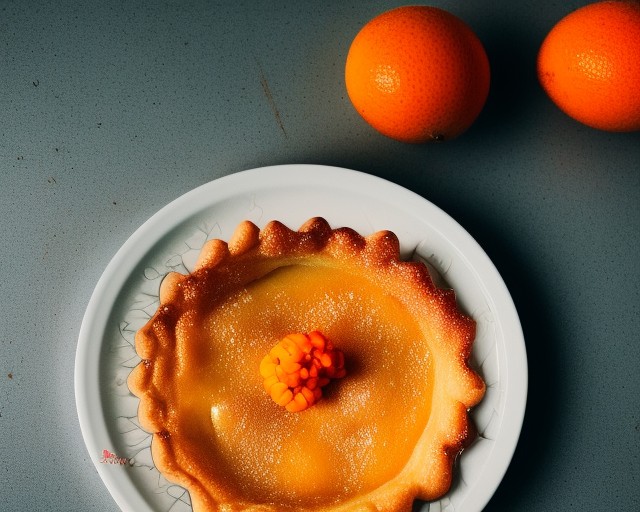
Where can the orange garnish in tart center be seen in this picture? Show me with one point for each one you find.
(298, 367)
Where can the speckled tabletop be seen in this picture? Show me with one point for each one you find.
(111, 110)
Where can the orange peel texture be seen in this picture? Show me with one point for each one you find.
(388, 427)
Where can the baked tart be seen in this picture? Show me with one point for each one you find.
(306, 370)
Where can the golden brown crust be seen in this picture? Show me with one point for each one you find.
(224, 268)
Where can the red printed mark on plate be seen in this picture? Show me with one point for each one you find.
(111, 458)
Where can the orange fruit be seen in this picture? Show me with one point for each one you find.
(417, 74)
(589, 65)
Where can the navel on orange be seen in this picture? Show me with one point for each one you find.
(417, 74)
(589, 65)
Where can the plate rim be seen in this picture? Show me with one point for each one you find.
(93, 426)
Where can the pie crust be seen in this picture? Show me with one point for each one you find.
(386, 433)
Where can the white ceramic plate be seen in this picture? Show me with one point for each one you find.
(127, 295)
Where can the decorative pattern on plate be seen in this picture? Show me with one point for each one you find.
(143, 300)
(134, 443)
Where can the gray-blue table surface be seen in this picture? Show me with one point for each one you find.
(110, 110)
